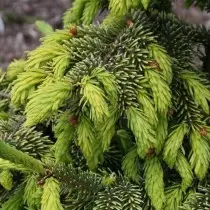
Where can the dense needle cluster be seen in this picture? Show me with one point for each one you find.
(113, 116)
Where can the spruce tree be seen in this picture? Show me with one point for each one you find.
(108, 116)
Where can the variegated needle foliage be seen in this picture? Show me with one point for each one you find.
(124, 108)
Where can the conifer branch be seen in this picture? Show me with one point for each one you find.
(200, 155)
(15, 156)
(6, 179)
(142, 131)
(184, 169)
(25, 85)
(64, 132)
(15, 202)
(57, 92)
(160, 90)
(32, 193)
(174, 143)
(130, 165)
(88, 142)
(51, 197)
(154, 184)
(15, 68)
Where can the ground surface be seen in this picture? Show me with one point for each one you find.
(20, 33)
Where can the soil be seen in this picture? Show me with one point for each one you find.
(20, 34)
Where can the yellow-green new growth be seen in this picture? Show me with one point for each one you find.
(129, 165)
(51, 196)
(58, 36)
(15, 68)
(147, 105)
(88, 142)
(95, 98)
(145, 3)
(46, 100)
(90, 11)
(154, 181)
(64, 132)
(108, 82)
(142, 130)
(184, 169)
(162, 58)
(53, 52)
(174, 197)
(73, 15)
(161, 131)
(122, 7)
(106, 130)
(8, 165)
(85, 11)
(197, 90)
(160, 90)
(200, 155)
(44, 27)
(6, 179)
(32, 193)
(25, 85)
(174, 143)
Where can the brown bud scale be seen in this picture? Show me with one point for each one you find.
(154, 64)
(73, 31)
(73, 120)
(151, 152)
(129, 23)
(203, 131)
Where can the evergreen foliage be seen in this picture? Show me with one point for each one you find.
(113, 116)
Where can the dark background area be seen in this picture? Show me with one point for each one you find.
(20, 33)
